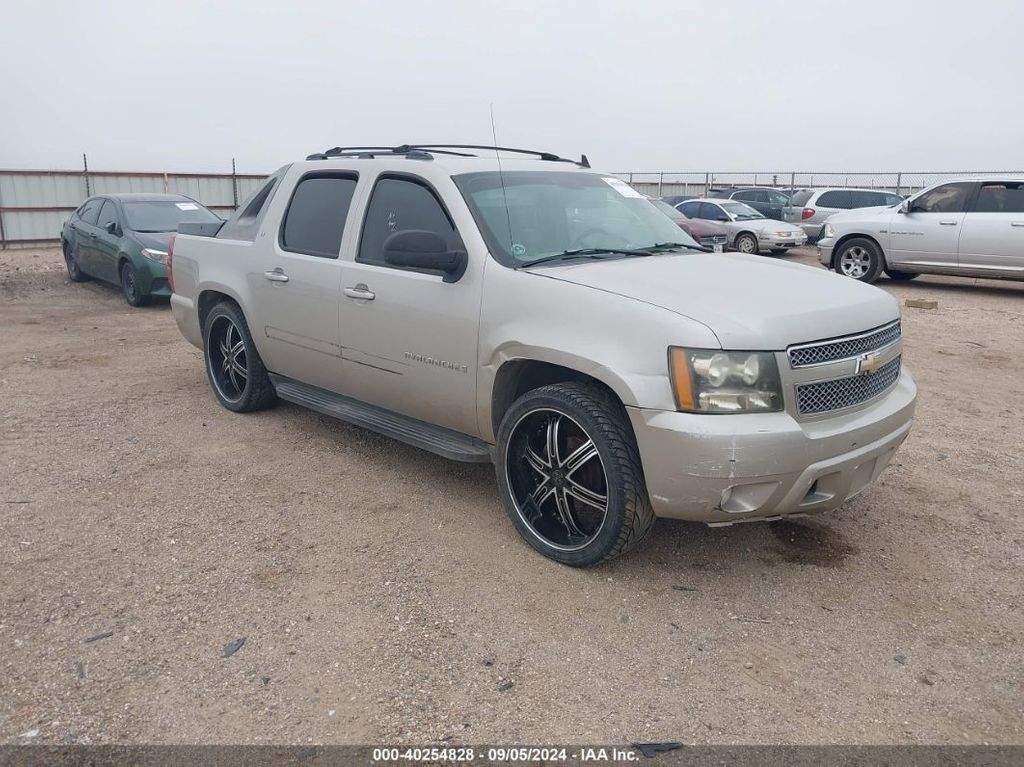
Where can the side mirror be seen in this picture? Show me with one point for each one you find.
(422, 249)
(111, 227)
(904, 207)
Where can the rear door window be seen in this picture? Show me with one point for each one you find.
(315, 219)
(836, 198)
(91, 210)
(1002, 197)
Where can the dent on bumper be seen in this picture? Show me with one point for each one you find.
(723, 469)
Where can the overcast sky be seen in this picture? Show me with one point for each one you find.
(636, 84)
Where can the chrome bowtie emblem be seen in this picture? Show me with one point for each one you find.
(869, 363)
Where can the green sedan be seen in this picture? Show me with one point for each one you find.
(122, 239)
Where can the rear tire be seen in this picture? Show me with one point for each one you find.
(71, 261)
(892, 274)
(130, 286)
(860, 259)
(569, 474)
(747, 243)
(236, 372)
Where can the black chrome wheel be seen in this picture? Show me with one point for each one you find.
(229, 365)
(557, 479)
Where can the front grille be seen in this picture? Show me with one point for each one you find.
(717, 239)
(823, 396)
(843, 348)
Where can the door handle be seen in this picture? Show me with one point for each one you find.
(276, 275)
(947, 223)
(1017, 223)
(360, 291)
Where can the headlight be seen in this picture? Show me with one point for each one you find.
(828, 230)
(713, 381)
(160, 256)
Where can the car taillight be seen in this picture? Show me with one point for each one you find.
(806, 213)
(170, 264)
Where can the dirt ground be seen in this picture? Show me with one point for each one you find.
(384, 596)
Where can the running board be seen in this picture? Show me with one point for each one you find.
(436, 439)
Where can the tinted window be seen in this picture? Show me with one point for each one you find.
(711, 212)
(165, 215)
(108, 213)
(397, 205)
(315, 219)
(90, 211)
(838, 198)
(800, 198)
(690, 209)
(747, 194)
(777, 198)
(245, 222)
(1000, 198)
(948, 198)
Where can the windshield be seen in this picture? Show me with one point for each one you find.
(539, 214)
(165, 215)
(738, 211)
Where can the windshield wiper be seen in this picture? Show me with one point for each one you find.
(596, 253)
(675, 246)
(155, 231)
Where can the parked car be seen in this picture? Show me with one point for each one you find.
(122, 239)
(675, 199)
(968, 227)
(704, 233)
(544, 316)
(810, 208)
(749, 231)
(765, 200)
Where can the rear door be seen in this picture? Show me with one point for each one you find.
(296, 277)
(84, 228)
(928, 234)
(992, 239)
(106, 245)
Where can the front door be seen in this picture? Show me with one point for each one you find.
(107, 244)
(929, 233)
(410, 339)
(993, 230)
(296, 279)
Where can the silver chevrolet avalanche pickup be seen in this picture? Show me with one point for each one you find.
(536, 314)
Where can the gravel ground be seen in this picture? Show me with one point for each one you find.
(384, 596)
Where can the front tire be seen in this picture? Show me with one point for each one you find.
(747, 243)
(780, 251)
(570, 476)
(130, 286)
(860, 259)
(236, 372)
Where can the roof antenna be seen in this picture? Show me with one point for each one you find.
(501, 177)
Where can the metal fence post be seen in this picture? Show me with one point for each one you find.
(661, 183)
(85, 172)
(707, 183)
(792, 183)
(899, 182)
(234, 183)
(3, 232)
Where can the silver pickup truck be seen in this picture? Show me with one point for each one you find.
(531, 312)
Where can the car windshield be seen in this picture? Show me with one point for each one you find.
(526, 216)
(740, 212)
(165, 215)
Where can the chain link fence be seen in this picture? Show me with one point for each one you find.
(697, 184)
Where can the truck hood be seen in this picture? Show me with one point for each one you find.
(749, 302)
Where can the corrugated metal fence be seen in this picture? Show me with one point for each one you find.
(34, 204)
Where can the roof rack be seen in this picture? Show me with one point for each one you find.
(426, 152)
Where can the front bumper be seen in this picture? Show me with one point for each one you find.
(825, 247)
(774, 242)
(723, 469)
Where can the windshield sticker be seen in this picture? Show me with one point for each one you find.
(518, 249)
(622, 187)
(187, 206)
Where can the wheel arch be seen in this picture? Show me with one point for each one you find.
(838, 247)
(516, 376)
